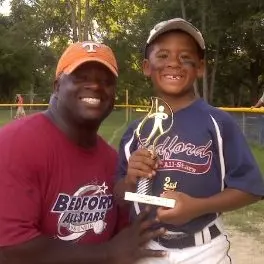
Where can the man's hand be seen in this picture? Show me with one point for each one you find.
(141, 164)
(186, 209)
(129, 245)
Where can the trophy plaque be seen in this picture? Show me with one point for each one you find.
(158, 122)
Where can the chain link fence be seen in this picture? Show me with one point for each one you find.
(251, 122)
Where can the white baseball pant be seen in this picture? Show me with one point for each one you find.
(215, 251)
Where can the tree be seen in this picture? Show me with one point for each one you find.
(39, 30)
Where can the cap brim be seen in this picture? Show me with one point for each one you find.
(76, 64)
(180, 25)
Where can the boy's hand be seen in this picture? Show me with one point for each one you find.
(141, 164)
(186, 209)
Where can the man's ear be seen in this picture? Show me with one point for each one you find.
(146, 67)
(200, 69)
(56, 87)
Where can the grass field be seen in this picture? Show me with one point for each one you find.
(248, 219)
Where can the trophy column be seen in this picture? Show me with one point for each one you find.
(144, 185)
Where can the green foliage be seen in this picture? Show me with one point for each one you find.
(37, 31)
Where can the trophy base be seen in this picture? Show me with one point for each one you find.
(149, 199)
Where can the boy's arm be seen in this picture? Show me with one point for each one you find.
(243, 182)
(228, 200)
(187, 208)
(134, 163)
(120, 188)
(126, 147)
(140, 165)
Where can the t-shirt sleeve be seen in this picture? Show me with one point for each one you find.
(19, 193)
(242, 171)
(127, 146)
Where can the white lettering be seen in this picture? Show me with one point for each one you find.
(90, 46)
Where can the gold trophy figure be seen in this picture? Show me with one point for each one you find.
(162, 114)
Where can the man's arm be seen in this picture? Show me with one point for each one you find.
(45, 250)
(125, 248)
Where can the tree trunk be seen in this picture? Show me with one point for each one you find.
(255, 71)
(72, 8)
(205, 80)
(80, 33)
(205, 75)
(183, 10)
(196, 89)
(212, 82)
(86, 32)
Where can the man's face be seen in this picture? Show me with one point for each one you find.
(86, 95)
(174, 63)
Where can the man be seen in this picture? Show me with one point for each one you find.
(20, 109)
(260, 102)
(56, 202)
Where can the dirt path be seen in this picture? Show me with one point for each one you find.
(245, 249)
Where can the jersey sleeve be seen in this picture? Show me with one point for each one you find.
(19, 193)
(127, 146)
(242, 171)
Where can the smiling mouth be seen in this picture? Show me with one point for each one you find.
(91, 101)
(173, 77)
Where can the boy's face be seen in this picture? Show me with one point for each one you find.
(174, 63)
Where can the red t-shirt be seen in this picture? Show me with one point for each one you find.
(51, 186)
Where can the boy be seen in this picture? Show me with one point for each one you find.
(209, 160)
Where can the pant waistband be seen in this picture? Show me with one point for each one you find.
(185, 240)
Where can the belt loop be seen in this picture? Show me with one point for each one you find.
(198, 237)
(219, 224)
(206, 235)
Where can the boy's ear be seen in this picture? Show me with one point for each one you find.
(200, 69)
(146, 67)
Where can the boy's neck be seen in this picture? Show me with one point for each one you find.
(178, 102)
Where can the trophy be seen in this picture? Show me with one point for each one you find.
(159, 120)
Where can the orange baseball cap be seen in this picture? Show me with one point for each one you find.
(81, 52)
